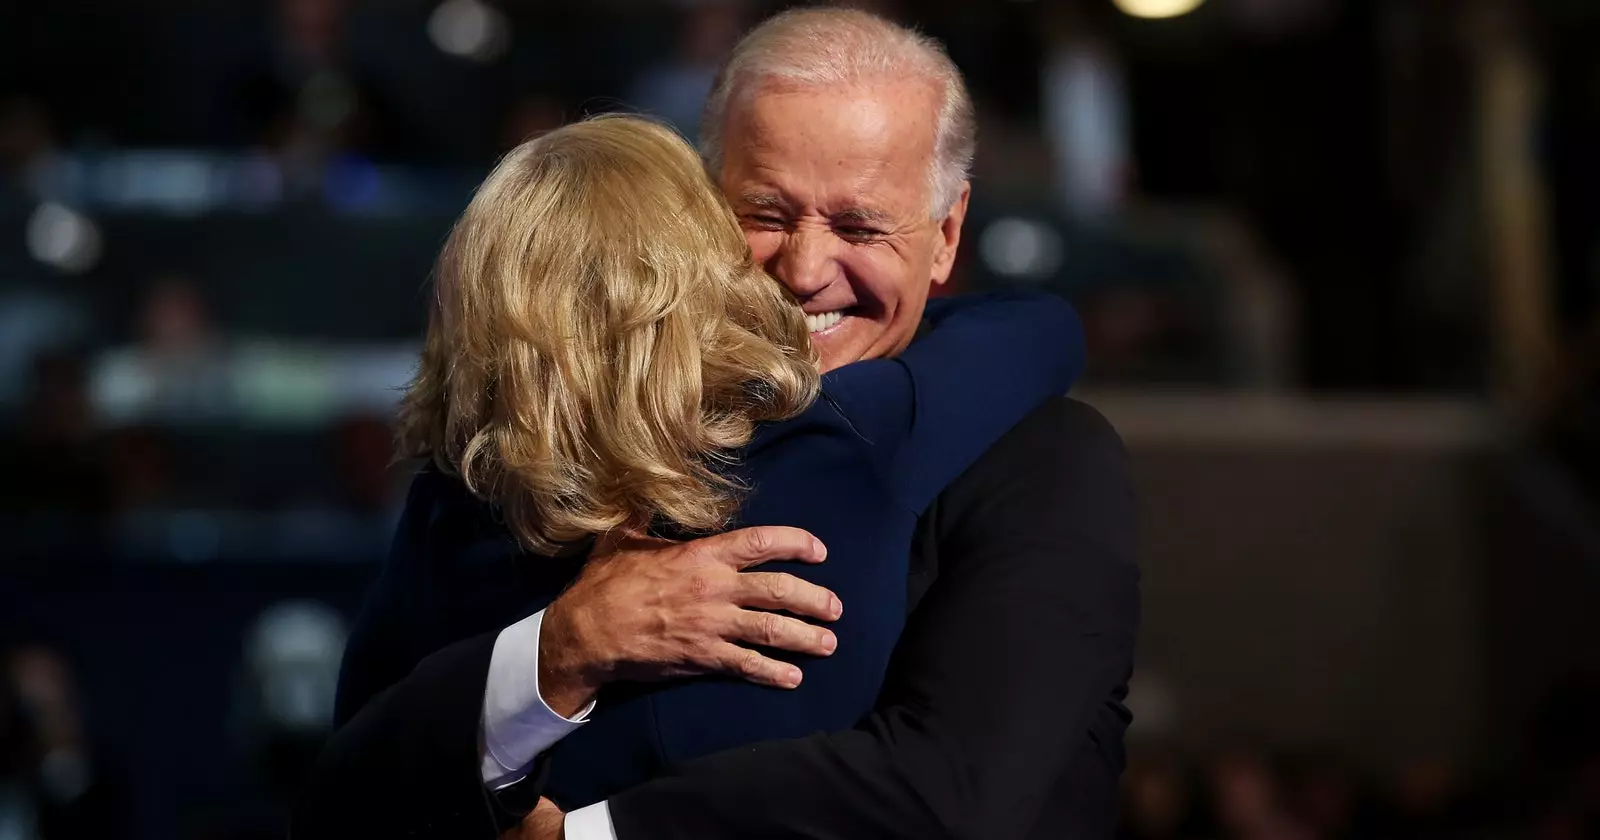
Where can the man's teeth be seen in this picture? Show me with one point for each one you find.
(823, 320)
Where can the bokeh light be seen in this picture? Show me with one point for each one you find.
(1158, 8)
(470, 29)
(63, 238)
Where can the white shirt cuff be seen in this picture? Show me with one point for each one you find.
(517, 723)
(591, 822)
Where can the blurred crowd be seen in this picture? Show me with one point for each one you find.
(229, 212)
(54, 784)
(101, 454)
(50, 783)
(58, 781)
(1261, 194)
(1245, 791)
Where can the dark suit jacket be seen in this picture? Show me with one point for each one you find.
(1001, 715)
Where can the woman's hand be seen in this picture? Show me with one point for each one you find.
(646, 609)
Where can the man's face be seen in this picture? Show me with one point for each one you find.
(831, 187)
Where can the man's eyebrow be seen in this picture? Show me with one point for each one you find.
(862, 215)
(759, 200)
(763, 200)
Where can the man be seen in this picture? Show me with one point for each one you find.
(842, 142)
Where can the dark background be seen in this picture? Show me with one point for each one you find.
(1339, 261)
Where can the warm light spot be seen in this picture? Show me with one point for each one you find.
(1158, 8)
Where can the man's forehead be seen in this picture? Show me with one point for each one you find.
(894, 112)
(841, 152)
(885, 119)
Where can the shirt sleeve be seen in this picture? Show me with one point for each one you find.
(517, 724)
(591, 822)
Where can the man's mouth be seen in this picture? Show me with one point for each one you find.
(823, 321)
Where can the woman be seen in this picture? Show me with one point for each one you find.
(604, 356)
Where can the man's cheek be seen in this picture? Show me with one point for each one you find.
(764, 245)
(874, 296)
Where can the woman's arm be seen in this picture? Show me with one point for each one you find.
(983, 362)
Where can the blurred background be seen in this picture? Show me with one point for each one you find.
(1339, 261)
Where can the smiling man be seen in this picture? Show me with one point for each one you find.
(843, 142)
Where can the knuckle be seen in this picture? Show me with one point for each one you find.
(702, 654)
(780, 587)
(770, 629)
(751, 662)
(758, 540)
(692, 553)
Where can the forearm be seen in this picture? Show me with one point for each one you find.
(969, 761)
(840, 785)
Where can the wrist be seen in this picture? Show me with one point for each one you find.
(569, 673)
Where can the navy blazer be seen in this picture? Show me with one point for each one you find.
(855, 469)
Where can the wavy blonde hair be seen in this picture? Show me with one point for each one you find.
(601, 339)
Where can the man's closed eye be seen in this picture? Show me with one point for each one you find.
(858, 234)
(765, 221)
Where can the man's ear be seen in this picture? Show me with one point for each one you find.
(944, 255)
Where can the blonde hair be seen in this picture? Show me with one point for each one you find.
(836, 47)
(600, 339)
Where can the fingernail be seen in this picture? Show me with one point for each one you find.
(830, 642)
(835, 608)
(822, 550)
(791, 677)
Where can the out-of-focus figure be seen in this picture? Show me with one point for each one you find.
(1158, 797)
(676, 91)
(177, 367)
(1084, 114)
(51, 786)
(1247, 799)
(292, 667)
(56, 481)
(27, 140)
(310, 101)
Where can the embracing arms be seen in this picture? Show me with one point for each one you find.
(1002, 708)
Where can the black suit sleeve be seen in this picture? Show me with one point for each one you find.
(1002, 708)
(404, 761)
(407, 764)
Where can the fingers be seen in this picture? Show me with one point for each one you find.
(747, 547)
(751, 665)
(778, 591)
(783, 632)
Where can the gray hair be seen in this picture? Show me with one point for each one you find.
(828, 47)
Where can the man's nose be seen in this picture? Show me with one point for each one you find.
(805, 262)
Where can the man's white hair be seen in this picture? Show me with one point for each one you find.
(839, 47)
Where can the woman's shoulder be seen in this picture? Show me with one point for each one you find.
(455, 542)
(825, 419)
(449, 529)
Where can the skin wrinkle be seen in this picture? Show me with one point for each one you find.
(831, 187)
